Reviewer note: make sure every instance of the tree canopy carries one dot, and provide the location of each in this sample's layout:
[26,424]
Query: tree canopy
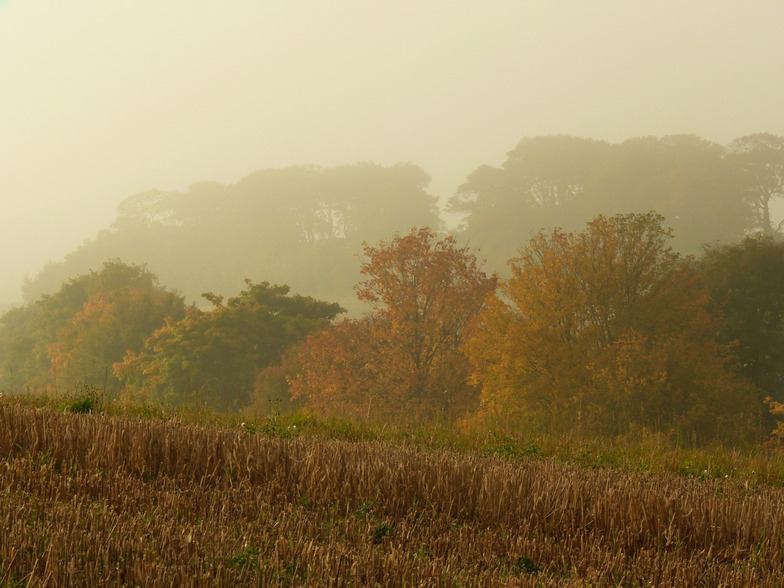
[561,181]
[300,226]
[76,334]
[211,358]
[604,329]
[760,159]
[405,357]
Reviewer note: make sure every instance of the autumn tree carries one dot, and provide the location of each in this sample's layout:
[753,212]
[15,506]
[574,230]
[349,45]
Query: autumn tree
[405,358]
[74,335]
[339,370]
[210,358]
[605,329]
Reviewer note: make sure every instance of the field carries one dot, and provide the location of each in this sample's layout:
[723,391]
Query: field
[100,499]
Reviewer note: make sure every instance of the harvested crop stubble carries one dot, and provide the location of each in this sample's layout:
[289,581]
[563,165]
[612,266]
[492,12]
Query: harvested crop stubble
[89,499]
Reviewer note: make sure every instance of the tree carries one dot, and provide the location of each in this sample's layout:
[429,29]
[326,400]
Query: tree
[549,182]
[746,282]
[211,357]
[405,358]
[74,335]
[109,325]
[760,158]
[19,362]
[340,371]
[542,182]
[605,329]
[300,225]
[684,178]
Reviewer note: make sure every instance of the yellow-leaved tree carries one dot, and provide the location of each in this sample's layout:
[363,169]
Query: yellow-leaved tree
[607,329]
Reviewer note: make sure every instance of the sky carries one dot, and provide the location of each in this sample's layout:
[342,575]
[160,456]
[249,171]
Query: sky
[102,99]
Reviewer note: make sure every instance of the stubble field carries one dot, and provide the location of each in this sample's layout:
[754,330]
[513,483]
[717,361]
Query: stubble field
[91,499]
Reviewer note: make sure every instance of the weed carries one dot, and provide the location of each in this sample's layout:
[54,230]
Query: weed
[380,532]
[249,556]
[365,509]
[527,565]
[85,401]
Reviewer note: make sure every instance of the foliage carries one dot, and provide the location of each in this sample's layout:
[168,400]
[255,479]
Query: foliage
[85,401]
[109,325]
[405,357]
[561,181]
[605,329]
[211,357]
[542,179]
[76,334]
[22,361]
[776,409]
[300,226]
[746,282]
[760,158]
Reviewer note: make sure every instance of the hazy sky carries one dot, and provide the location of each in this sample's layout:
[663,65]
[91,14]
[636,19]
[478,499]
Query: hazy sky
[101,99]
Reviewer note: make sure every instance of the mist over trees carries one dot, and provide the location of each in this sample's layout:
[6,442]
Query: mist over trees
[760,159]
[706,192]
[640,286]
[302,226]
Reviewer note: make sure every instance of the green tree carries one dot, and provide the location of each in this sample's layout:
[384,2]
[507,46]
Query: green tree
[211,358]
[19,364]
[74,335]
[746,282]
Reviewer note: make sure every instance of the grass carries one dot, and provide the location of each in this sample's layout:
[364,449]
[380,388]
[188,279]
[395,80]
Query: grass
[640,451]
[128,494]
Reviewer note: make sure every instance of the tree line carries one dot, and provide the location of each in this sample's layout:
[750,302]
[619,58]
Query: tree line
[606,329]
[560,300]
[304,225]
[301,226]
[707,192]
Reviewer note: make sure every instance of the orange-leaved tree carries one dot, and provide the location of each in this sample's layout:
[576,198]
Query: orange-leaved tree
[605,329]
[405,358]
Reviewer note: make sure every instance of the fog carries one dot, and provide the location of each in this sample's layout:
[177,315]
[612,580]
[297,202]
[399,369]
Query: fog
[101,100]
